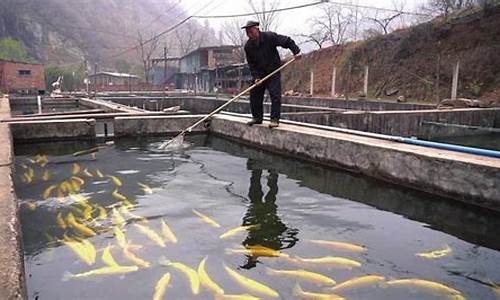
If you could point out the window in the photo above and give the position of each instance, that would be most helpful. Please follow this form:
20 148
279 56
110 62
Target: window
24 72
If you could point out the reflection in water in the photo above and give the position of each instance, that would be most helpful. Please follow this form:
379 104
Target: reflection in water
262 210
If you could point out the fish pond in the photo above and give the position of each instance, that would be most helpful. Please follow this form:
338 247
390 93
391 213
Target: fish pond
218 220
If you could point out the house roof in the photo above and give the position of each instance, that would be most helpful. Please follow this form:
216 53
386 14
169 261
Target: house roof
19 62
211 48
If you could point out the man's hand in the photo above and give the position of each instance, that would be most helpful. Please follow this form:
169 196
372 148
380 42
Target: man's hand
298 56
257 81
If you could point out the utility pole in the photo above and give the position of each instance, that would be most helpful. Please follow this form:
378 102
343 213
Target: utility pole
86 78
95 80
164 67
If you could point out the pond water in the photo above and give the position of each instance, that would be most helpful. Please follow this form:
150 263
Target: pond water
285 205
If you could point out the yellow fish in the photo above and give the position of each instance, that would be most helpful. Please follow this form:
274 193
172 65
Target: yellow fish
76 169
146 189
340 245
120 237
151 234
235 297
60 221
134 216
206 219
89 248
236 230
161 286
31 205
115 180
191 274
427 285
99 173
87 173
75 186
206 281
304 275
297 291
27 178
495 288
86 231
117 218
257 250
436 253
107 258
167 232
252 285
358 282
331 261
48 191
31 172
87 213
86 151
103 215
102 271
136 260
42 160
46 175
77 179
85 251
118 196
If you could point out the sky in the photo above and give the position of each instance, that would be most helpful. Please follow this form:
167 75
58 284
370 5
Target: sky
290 22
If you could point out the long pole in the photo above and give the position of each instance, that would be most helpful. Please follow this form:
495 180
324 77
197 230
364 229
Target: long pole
190 128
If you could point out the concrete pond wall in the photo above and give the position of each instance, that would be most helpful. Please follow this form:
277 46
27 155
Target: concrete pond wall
12 283
462 177
404 123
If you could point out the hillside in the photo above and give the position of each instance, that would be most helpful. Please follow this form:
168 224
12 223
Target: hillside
411 60
66 32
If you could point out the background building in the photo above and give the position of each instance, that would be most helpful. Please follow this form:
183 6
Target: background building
21 78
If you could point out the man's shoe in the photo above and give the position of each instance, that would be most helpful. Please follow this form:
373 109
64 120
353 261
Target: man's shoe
254 121
274 124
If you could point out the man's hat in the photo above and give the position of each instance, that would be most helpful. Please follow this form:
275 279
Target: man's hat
250 24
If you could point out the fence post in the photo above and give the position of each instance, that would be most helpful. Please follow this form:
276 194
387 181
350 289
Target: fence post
312 84
334 78
454 86
365 87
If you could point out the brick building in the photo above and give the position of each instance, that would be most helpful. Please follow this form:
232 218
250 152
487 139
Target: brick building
21 78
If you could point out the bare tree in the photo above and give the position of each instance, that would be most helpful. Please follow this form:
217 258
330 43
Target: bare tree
146 50
190 37
445 7
332 24
233 34
265 14
384 23
318 38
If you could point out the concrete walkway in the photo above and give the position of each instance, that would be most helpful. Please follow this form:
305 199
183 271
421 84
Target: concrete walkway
12 283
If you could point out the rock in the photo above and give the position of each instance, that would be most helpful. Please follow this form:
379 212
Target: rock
459 103
172 109
401 98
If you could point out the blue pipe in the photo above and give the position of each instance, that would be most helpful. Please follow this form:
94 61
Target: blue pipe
457 148
412 141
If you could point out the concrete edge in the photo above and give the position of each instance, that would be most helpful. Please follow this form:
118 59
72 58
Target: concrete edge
157 125
464 177
12 275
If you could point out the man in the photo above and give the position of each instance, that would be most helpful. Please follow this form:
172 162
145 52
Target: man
263 58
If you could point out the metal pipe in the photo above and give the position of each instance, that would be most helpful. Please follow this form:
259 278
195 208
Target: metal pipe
411 141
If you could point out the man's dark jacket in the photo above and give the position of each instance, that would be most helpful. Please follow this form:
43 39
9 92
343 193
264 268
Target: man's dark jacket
262 55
